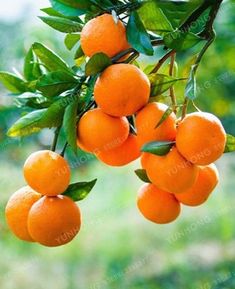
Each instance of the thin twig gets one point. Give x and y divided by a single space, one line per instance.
55 140
172 90
162 61
209 34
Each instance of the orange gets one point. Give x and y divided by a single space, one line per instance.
156 205
172 172
54 221
144 160
103 34
201 138
147 120
17 210
98 131
121 90
207 180
121 155
47 173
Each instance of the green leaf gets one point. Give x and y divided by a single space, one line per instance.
180 41
142 175
44 118
71 40
62 24
138 36
52 12
70 124
50 59
79 4
55 83
79 56
13 82
159 148
230 144
27 125
178 11
66 9
161 83
79 191
191 87
166 114
97 63
32 68
153 18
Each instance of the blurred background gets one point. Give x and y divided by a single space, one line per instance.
116 247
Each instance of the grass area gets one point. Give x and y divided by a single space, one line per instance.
116 247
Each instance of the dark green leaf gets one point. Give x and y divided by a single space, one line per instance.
70 124
55 83
230 144
71 40
178 11
51 60
180 41
52 12
13 82
159 148
191 87
62 24
97 63
166 114
161 83
79 191
154 19
137 35
142 175
66 9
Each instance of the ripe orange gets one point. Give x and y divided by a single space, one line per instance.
201 138
121 90
207 180
156 205
98 131
172 172
103 34
54 221
47 173
144 160
121 155
17 210
147 120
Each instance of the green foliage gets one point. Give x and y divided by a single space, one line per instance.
79 191
71 40
161 83
55 83
97 63
230 144
142 175
51 61
139 40
159 148
180 41
13 83
62 24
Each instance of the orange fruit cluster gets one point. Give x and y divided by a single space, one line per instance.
39 212
120 91
186 174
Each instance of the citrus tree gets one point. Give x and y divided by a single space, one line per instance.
107 104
